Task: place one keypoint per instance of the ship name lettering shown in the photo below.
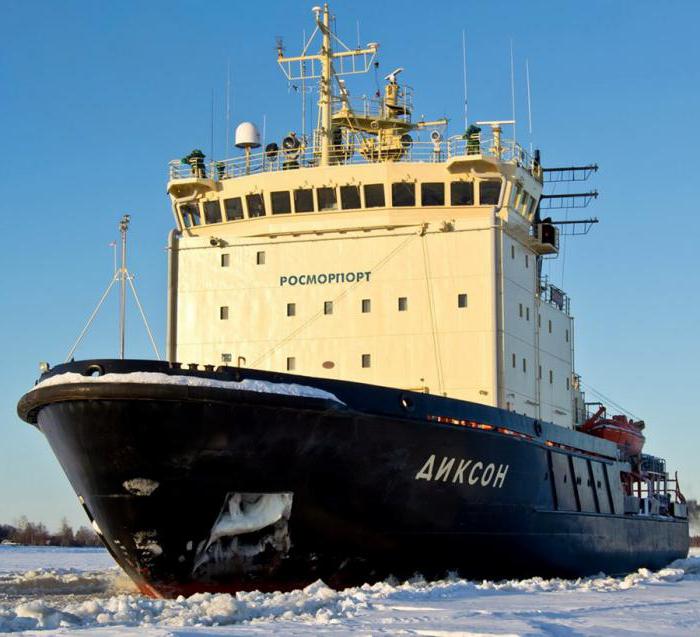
(323, 278)
(484, 474)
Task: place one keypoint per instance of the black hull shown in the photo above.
(164, 470)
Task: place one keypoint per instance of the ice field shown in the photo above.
(54, 591)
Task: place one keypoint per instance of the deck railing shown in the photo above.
(309, 156)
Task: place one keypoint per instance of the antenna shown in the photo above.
(512, 87)
(529, 103)
(228, 105)
(211, 137)
(464, 71)
(123, 276)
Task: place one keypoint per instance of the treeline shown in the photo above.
(36, 534)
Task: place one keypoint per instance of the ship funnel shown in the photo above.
(247, 135)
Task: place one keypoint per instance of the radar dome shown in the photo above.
(247, 136)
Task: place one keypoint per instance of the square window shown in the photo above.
(551, 377)
(462, 300)
(226, 358)
(567, 336)
(212, 211)
(539, 372)
(366, 360)
(403, 304)
(291, 309)
(568, 385)
(489, 192)
(520, 310)
(374, 195)
(366, 306)
(432, 194)
(527, 313)
(304, 200)
(527, 260)
(539, 320)
(512, 252)
(550, 326)
(260, 258)
(225, 260)
(328, 307)
(403, 194)
(462, 193)
(513, 361)
(326, 199)
(291, 363)
(350, 197)
(233, 208)
(525, 365)
(223, 312)
(281, 203)
(256, 205)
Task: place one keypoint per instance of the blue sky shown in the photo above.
(98, 96)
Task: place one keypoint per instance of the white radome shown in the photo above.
(247, 135)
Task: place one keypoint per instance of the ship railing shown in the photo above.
(374, 106)
(362, 151)
(554, 296)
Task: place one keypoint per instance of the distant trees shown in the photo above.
(36, 534)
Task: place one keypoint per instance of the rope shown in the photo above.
(431, 305)
(609, 401)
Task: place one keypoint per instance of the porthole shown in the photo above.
(94, 370)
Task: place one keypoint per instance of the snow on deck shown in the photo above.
(664, 603)
(158, 378)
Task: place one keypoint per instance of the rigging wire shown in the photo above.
(611, 402)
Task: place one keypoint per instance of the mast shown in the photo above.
(123, 274)
(325, 89)
(308, 66)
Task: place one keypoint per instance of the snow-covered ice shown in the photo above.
(78, 592)
(247, 384)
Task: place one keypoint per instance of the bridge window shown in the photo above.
(304, 200)
(256, 205)
(462, 193)
(212, 211)
(281, 203)
(326, 198)
(374, 196)
(226, 357)
(489, 192)
(403, 194)
(350, 197)
(233, 208)
(432, 194)
(190, 214)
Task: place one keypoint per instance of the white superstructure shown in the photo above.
(369, 256)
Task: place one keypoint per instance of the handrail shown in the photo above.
(366, 152)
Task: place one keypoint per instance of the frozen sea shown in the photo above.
(54, 591)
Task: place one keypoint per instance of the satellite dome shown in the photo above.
(247, 135)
